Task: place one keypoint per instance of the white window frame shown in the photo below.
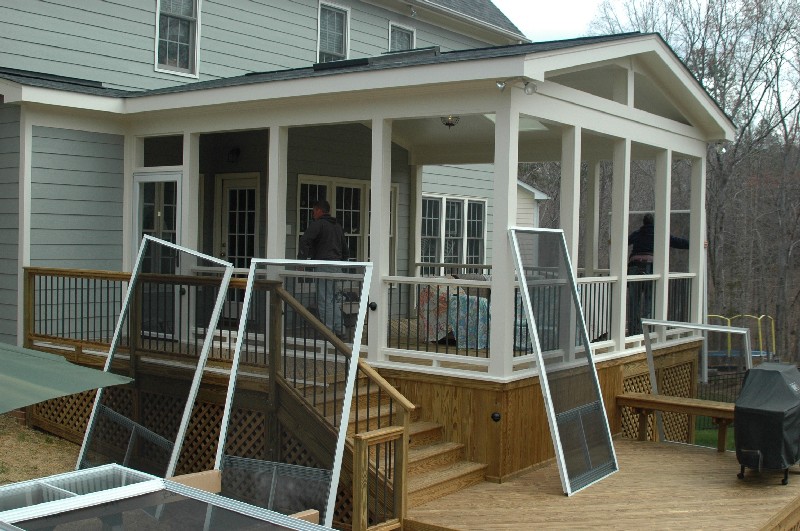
(194, 70)
(336, 7)
(443, 199)
(331, 183)
(364, 244)
(392, 26)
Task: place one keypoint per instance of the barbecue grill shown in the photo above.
(767, 419)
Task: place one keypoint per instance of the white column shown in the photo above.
(379, 227)
(24, 217)
(571, 190)
(506, 155)
(592, 247)
(620, 207)
(276, 192)
(190, 193)
(663, 201)
(415, 178)
(697, 238)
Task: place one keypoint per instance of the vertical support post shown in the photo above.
(506, 153)
(591, 262)
(28, 299)
(571, 190)
(189, 199)
(697, 238)
(276, 192)
(416, 215)
(379, 228)
(401, 467)
(663, 204)
(620, 208)
(360, 480)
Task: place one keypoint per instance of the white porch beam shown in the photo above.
(379, 229)
(506, 151)
(592, 246)
(697, 239)
(276, 192)
(620, 208)
(570, 200)
(663, 200)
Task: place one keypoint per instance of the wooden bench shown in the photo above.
(644, 404)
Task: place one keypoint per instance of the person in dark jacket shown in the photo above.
(640, 294)
(324, 239)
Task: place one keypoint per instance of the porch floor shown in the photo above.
(658, 486)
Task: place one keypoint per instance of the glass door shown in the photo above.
(157, 215)
(237, 226)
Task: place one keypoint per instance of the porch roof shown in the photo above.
(586, 61)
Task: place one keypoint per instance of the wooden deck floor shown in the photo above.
(658, 486)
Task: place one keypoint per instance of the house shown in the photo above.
(216, 127)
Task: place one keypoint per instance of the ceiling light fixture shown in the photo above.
(450, 120)
(529, 88)
(501, 85)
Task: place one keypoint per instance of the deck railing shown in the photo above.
(77, 310)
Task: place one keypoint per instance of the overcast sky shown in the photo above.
(543, 20)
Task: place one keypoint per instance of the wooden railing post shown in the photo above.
(29, 283)
(360, 485)
(274, 363)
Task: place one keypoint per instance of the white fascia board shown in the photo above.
(538, 195)
(332, 83)
(539, 65)
(72, 100)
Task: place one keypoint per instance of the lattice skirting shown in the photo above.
(674, 380)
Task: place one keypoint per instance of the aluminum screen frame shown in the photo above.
(201, 361)
(580, 416)
(647, 324)
(256, 265)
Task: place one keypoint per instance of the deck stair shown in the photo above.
(436, 467)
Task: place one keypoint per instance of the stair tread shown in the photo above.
(422, 425)
(440, 475)
(419, 453)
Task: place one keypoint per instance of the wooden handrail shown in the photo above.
(385, 386)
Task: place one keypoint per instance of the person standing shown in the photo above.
(324, 239)
(640, 294)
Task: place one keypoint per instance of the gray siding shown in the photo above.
(76, 199)
(113, 41)
(9, 221)
(472, 181)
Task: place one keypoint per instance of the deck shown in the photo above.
(658, 486)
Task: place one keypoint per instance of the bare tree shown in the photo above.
(745, 53)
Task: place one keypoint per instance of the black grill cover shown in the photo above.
(767, 417)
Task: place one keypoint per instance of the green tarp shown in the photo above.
(30, 376)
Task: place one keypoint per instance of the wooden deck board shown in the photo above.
(658, 486)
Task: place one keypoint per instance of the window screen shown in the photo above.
(575, 410)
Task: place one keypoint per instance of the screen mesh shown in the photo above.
(162, 341)
(294, 377)
(568, 379)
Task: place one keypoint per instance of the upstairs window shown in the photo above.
(400, 38)
(332, 34)
(177, 35)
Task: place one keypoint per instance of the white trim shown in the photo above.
(194, 72)
(337, 7)
(403, 27)
(24, 216)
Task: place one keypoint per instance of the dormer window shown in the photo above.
(332, 33)
(400, 38)
(177, 36)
